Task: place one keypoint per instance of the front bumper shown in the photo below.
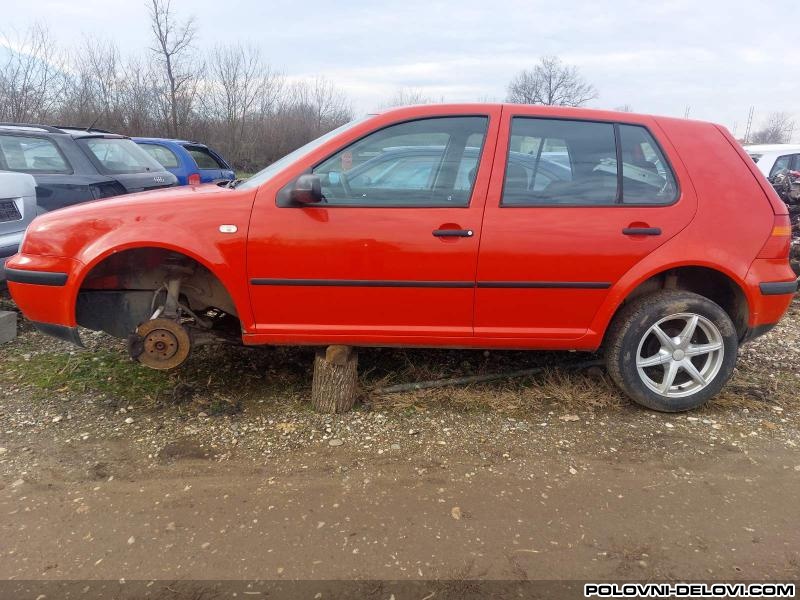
(44, 288)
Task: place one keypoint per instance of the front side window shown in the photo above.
(429, 162)
(31, 155)
(119, 155)
(553, 161)
(781, 164)
(164, 156)
(646, 176)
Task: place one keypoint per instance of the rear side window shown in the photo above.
(119, 155)
(575, 163)
(204, 158)
(163, 155)
(31, 155)
(428, 162)
(553, 161)
(646, 176)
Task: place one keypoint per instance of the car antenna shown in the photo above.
(89, 128)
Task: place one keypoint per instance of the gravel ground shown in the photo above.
(221, 471)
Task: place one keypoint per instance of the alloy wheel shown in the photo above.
(680, 355)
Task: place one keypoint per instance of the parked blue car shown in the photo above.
(192, 163)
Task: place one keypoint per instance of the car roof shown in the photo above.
(772, 147)
(72, 131)
(167, 140)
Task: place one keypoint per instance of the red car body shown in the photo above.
(542, 277)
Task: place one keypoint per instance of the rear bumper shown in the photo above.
(771, 285)
(778, 288)
(757, 331)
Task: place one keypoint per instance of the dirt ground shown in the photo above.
(221, 471)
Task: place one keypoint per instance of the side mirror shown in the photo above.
(306, 190)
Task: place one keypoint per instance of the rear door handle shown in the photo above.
(642, 231)
(453, 233)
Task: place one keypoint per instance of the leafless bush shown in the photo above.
(32, 80)
(777, 129)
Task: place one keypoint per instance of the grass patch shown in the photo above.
(102, 371)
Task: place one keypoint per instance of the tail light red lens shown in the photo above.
(194, 179)
(780, 239)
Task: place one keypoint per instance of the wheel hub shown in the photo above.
(165, 344)
(678, 355)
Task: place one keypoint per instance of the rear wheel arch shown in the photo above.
(711, 282)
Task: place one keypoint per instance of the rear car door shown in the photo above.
(384, 258)
(553, 246)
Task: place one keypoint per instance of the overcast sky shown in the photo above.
(716, 57)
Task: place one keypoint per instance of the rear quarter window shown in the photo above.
(119, 156)
(204, 159)
(31, 155)
(162, 154)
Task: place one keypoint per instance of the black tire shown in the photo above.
(630, 326)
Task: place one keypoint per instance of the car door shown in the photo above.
(386, 258)
(552, 250)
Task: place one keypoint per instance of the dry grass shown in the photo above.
(568, 390)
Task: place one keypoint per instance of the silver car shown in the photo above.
(17, 210)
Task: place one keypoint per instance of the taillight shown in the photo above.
(779, 240)
(194, 179)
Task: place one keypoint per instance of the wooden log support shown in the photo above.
(335, 385)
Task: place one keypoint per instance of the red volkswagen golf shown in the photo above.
(467, 226)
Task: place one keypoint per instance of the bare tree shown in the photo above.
(33, 78)
(240, 89)
(406, 96)
(777, 129)
(96, 85)
(552, 83)
(173, 51)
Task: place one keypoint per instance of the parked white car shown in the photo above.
(771, 159)
(17, 210)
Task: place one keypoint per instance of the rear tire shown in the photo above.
(671, 351)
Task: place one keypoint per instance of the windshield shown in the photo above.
(263, 175)
(120, 155)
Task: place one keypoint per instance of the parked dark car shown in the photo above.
(73, 165)
(191, 162)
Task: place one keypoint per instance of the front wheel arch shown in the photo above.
(115, 291)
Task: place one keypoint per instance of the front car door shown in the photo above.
(390, 256)
(576, 205)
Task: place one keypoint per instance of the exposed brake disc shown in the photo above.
(165, 344)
